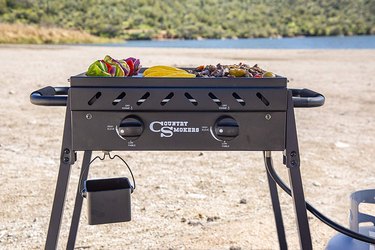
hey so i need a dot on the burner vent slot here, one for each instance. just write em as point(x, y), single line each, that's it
point(167, 99)
point(95, 98)
point(143, 98)
point(263, 99)
point(191, 99)
point(118, 99)
point(215, 99)
point(239, 99)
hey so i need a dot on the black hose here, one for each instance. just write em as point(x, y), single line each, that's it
point(314, 211)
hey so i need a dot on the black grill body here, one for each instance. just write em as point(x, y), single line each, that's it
point(213, 114)
point(188, 108)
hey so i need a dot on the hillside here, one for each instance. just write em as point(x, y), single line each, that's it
point(147, 19)
point(33, 34)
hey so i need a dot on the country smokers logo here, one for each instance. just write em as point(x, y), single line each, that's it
point(168, 128)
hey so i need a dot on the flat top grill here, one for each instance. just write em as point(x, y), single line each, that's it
point(217, 114)
point(138, 81)
point(136, 113)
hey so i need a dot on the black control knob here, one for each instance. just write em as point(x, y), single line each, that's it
point(226, 128)
point(131, 127)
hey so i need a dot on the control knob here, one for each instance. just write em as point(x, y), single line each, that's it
point(226, 128)
point(131, 127)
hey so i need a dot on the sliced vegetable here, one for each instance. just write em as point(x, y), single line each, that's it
point(96, 69)
point(169, 73)
point(161, 68)
point(137, 66)
point(131, 66)
point(111, 70)
point(124, 66)
point(269, 74)
point(112, 67)
point(237, 72)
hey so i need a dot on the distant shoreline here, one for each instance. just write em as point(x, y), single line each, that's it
point(306, 42)
point(300, 42)
point(237, 38)
point(33, 34)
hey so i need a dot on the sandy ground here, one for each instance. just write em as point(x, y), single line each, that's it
point(187, 200)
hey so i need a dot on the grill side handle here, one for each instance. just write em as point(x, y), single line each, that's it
point(50, 96)
point(306, 98)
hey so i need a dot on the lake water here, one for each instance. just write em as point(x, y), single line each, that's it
point(338, 42)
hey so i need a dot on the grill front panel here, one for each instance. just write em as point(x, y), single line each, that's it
point(99, 130)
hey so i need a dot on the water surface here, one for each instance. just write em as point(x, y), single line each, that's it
point(337, 42)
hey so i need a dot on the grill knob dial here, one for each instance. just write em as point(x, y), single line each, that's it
point(226, 128)
point(131, 127)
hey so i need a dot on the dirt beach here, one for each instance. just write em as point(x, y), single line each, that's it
point(187, 200)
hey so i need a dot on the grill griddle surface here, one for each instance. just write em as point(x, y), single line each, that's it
point(82, 80)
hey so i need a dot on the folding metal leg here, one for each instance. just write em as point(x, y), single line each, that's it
point(293, 165)
point(300, 208)
point(66, 160)
point(277, 211)
point(78, 203)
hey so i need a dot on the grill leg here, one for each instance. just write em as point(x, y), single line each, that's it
point(292, 162)
point(66, 161)
point(78, 203)
point(277, 211)
point(58, 207)
point(300, 208)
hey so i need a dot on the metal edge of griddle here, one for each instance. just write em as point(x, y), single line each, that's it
point(82, 80)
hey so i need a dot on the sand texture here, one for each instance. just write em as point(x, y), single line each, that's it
point(187, 200)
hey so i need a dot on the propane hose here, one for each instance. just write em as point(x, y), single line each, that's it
point(314, 211)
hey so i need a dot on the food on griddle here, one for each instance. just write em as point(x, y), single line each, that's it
point(166, 71)
point(100, 68)
point(234, 70)
point(269, 74)
point(112, 67)
point(134, 64)
point(237, 72)
point(161, 68)
point(122, 68)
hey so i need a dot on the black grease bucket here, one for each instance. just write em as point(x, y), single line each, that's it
point(108, 200)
